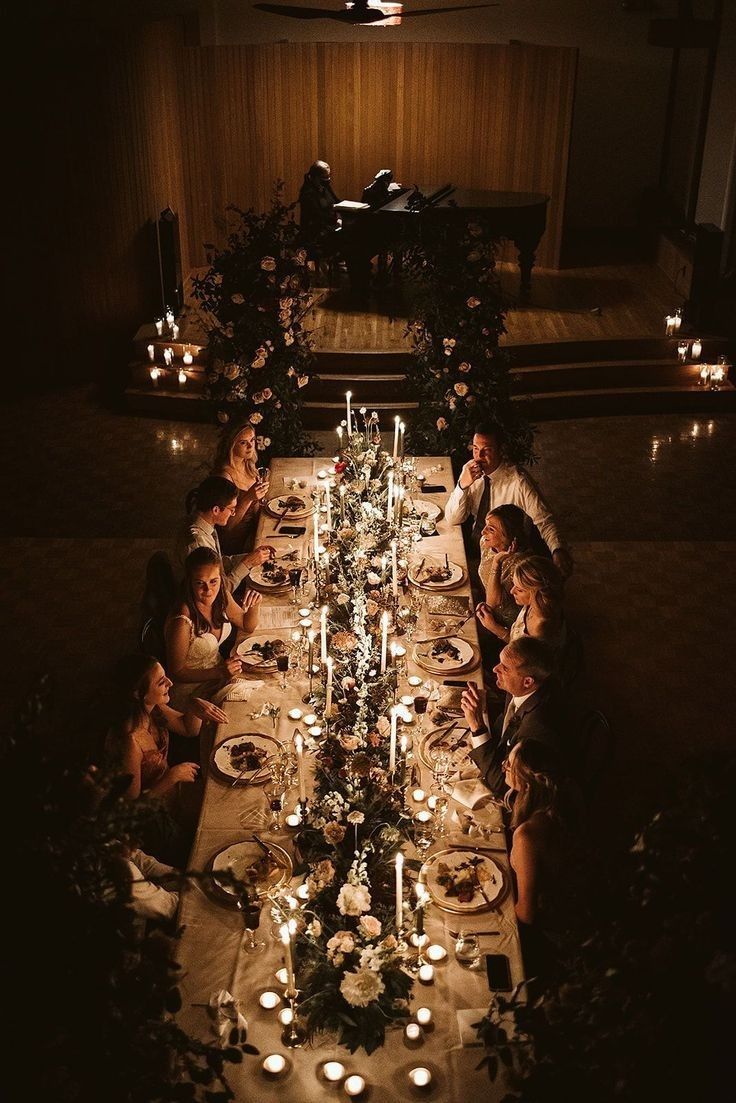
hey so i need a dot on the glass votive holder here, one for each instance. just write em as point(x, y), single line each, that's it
point(420, 1077)
point(302, 893)
point(282, 976)
point(414, 681)
point(269, 1000)
point(310, 719)
point(333, 1071)
point(426, 974)
point(314, 731)
point(354, 1086)
point(293, 820)
point(305, 613)
point(295, 714)
point(275, 1066)
point(423, 1015)
point(413, 1033)
point(432, 802)
point(286, 1016)
point(423, 816)
point(418, 796)
point(436, 953)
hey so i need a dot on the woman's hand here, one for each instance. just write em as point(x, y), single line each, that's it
point(260, 489)
point(501, 556)
point(233, 667)
point(184, 771)
point(251, 600)
point(484, 613)
point(205, 710)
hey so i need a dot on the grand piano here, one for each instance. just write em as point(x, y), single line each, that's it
point(408, 215)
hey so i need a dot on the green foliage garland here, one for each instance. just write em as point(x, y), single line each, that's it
point(252, 301)
point(459, 374)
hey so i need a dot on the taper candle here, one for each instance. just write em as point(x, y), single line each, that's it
point(392, 743)
point(399, 890)
point(384, 640)
point(323, 633)
point(299, 746)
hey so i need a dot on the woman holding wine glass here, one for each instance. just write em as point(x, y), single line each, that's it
point(236, 459)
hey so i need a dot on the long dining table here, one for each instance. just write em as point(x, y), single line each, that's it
point(210, 950)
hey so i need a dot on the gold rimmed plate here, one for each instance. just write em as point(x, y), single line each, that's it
point(248, 862)
point(243, 759)
point(256, 653)
point(446, 656)
point(463, 872)
point(270, 575)
point(444, 739)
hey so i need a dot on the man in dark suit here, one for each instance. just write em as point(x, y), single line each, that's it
point(532, 710)
point(318, 220)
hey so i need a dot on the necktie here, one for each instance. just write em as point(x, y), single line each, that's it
point(508, 715)
point(483, 507)
point(216, 541)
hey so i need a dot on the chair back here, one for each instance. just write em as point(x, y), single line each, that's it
point(595, 750)
point(159, 593)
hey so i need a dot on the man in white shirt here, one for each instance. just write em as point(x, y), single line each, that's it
point(148, 897)
point(215, 500)
point(487, 482)
point(532, 708)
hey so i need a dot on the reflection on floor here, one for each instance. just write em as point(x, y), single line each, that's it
point(649, 504)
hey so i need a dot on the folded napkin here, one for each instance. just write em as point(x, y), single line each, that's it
point(465, 1019)
point(226, 1016)
point(471, 794)
point(239, 690)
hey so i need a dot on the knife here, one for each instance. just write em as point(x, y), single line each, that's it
point(478, 934)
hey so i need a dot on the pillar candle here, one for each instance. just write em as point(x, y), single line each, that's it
point(151, 353)
point(697, 348)
point(159, 326)
point(323, 634)
point(384, 641)
point(299, 745)
point(399, 890)
point(187, 357)
point(348, 396)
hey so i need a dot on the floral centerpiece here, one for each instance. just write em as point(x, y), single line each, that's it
point(252, 301)
point(459, 374)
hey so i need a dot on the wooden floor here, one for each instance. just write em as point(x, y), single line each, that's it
point(633, 300)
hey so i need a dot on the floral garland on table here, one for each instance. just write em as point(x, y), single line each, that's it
point(459, 374)
point(351, 967)
point(252, 302)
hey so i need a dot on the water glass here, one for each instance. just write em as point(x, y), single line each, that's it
point(467, 949)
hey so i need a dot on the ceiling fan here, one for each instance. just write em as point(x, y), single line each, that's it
point(359, 12)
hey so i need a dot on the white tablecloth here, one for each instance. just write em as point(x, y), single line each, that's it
point(210, 949)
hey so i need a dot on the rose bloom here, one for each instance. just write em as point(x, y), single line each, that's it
point(369, 926)
point(267, 393)
point(237, 298)
point(441, 424)
point(373, 578)
point(268, 264)
point(258, 397)
point(302, 380)
point(232, 371)
point(324, 872)
point(473, 302)
point(255, 419)
point(259, 362)
point(356, 817)
point(300, 256)
point(262, 442)
point(342, 942)
point(465, 366)
point(314, 929)
point(362, 987)
point(353, 899)
point(333, 832)
point(374, 739)
point(349, 743)
point(449, 342)
point(361, 765)
point(461, 389)
point(288, 338)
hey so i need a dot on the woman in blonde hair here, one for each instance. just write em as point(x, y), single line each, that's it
point(537, 588)
point(236, 460)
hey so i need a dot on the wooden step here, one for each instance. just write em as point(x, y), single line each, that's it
point(618, 350)
point(359, 362)
point(604, 375)
point(628, 400)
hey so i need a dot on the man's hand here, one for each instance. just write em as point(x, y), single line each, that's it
point(470, 472)
point(471, 706)
point(563, 561)
point(260, 555)
point(484, 613)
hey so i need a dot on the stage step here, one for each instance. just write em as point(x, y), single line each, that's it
point(606, 374)
point(618, 350)
point(360, 362)
point(628, 400)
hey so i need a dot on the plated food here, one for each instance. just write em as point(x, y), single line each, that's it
point(446, 655)
point(451, 739)
point(291, 507)
point(261, 652)
point(463, 880)
point(259, 869)
point(271, 575)
point(436, 574)
point(244, 759)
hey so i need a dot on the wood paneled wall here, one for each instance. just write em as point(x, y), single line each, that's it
point(482, 116)
point(147, 122)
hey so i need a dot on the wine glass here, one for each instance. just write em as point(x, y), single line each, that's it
point(295, 578)
point(467, 949)
point(251, 915)
point(441, 805)
point(420, 708)
point(282, 665)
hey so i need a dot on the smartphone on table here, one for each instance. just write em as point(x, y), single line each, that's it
point(498, 971)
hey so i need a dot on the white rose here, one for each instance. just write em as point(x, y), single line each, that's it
point(255, 419)
point(353, 900)
point(362, 987)
point(369, 926)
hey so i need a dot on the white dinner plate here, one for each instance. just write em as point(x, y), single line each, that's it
point(250, 651)
point(444, 655)
point(233, 767)
point(266, 579)
point(425, 508)
point(447, 867)
point(420, 578)
point(301, 506)
point(272, 870)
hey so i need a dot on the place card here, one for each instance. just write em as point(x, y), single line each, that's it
point(277, 616)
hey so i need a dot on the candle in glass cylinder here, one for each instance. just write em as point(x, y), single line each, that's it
point(399, 890)
point(354, 1085)
point(299, 747)
point(339, 437)
point(420, 1078)
point(402, 430)
point(424, 1016)
point(394, 572)
point(696, 349)
point(159, 323)
point(187, 357)
point(384, 640)
point(328, 503)
point(175, 331)
point(342, 501)
point(151, 353)
point(333, 1071)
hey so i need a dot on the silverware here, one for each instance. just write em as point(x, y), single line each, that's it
point(266, 849)
point(459, 741)
point(477, 934)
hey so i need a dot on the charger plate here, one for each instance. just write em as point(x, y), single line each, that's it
point(432, 743)
point(418, 579)
point(469, 658)
point(276, 506)
point(459, 860)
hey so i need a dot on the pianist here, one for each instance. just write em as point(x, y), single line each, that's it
point(318, 220)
